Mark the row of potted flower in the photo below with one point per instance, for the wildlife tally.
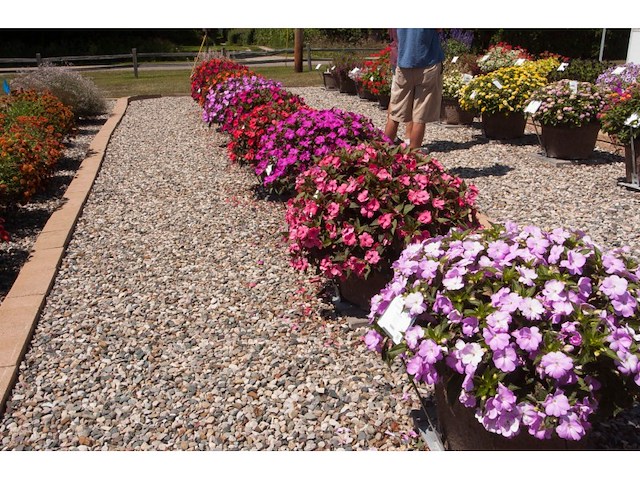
(535, 332)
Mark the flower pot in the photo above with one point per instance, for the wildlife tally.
(503, 126)
(329, 81)
(383, 100)
(628, 163)
(460, 430)
(571, 143)
(452, 114)
(359, 291)
(346, 84)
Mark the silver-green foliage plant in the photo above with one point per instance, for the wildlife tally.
(74, 90)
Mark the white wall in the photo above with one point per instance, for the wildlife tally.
(633, 52)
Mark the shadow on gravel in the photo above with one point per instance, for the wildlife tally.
(10, 264)
(495, 170)
(449, 146)
(261, 193)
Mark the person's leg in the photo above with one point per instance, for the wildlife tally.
(417, 135)
(399, 105)
(407, 130)
(391, 128)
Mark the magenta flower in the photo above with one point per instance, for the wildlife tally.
(556, 364)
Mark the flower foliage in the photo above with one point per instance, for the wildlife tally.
(561, 105)
(377, 73)
(358, 206)
(209, 73)
(535, 330)
(618, 109)
(501, 55)
(505, 90)
(32, 128)
(452, 82)
(290, 146)
(252, 125)
(238, 96)
(618, 82)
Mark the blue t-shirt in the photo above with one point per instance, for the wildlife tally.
(419, 47)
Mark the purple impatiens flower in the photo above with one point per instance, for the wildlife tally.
(556, 364)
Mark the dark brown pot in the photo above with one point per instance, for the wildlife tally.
(571, 143)
(359, 291)
(453, 114)
(628, 165)
(503, 126)
(461, 430)
(346, 84)
(384, 100)
(329, 81)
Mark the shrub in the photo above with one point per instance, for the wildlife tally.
(581, 70)
(37, 104)
(74, 90)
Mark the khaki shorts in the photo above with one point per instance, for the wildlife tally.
(416, 94)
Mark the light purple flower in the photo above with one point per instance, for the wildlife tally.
(373, 341)
(531, 308)
(553, 290)
(427, 269)
(412, 335)
(496, 340)
(556, 364)
(628, 363)
(499, 321)
(415, 303)
(612, 264)
(442, 304)
(527, 276)
(453, 279)
(470, 355)
(620, 339)
(556, 405)
(430, 351)
(614, 286)
(505, 360)
(554, 254)
(624, 305)
(469, 326)
(528, 338)
(574, 262)
(570, 427)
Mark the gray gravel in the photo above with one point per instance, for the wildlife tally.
(176, 322)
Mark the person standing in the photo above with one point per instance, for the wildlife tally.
(416, 91)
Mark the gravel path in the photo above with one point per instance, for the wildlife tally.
(176, 322)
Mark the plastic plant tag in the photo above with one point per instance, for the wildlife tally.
(268, 170)
(562, 67)
(395, 320)
(455, 59)
(466, 78)
(485, 58)
(318, 66)
(573, 85)
(333, 68)
(473, 95)
(519, 62)
(497, 83)
(633, 120)
(533, 106)
(316, 195)
(618, 70)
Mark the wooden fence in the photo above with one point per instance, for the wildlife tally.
(133, 58)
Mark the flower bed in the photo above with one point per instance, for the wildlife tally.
(210, 73)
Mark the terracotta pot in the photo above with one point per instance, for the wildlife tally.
(571, 143)
(503, 126)
(460, 430)
(346, 84)
(359, 291)
(384, 100)
(452, 114)
(628, 165)
(329, 81)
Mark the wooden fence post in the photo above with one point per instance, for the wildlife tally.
(309, 57)
(134, 55)
(38, 59)
(297, 49)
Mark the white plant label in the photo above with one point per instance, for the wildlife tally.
(395, 320)
(618, 70)
(466, 78)
(533, 106)
(473, 95)
(455, 59)
(485, 58)
(316, 195)
(333, 68)
(633, 120)
(354, 71)
(497, 83)
(318, 66)
(562, 67)
(372, 78)
(519, 62)
(268, 170)
(573, 85)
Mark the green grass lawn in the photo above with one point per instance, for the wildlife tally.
(122, 83)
